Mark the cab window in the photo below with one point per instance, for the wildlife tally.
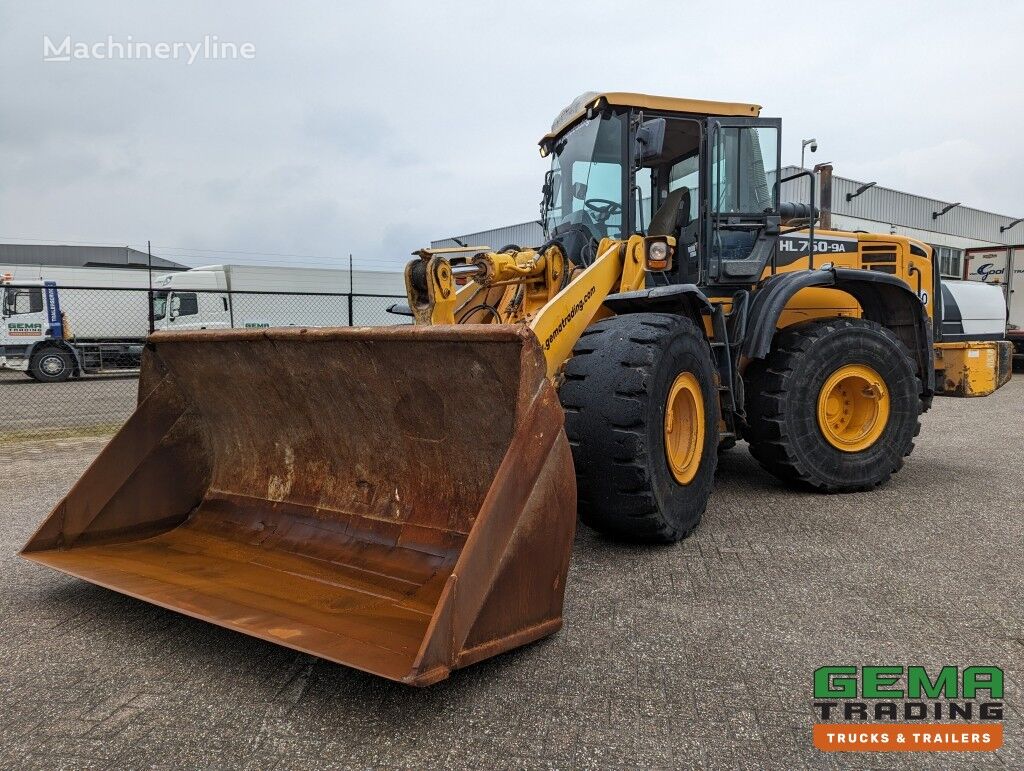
(643, 200)
(685, 174)
(743, 167)
(19, 301)
(185, 304)
(597, 189)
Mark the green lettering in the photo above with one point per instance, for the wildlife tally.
(830, 682)
(877, 678)
(983, 679)
(944, 685)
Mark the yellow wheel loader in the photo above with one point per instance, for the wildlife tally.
(403, 500)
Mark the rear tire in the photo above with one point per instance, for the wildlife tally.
(51, 365)
(615, 394)
(787, 392)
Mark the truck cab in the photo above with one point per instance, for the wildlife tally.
(195, 299)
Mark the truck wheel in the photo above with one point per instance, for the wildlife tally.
(51, 365)
(836, 405)
(641, 414)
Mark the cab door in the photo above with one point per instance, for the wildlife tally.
(742, 197)
(24, 316)
(198, 310)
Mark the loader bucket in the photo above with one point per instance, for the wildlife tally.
(400, 500)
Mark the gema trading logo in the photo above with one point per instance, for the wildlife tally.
(896, 708)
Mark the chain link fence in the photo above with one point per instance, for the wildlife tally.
(69, 357)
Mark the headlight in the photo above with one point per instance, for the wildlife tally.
(659, 255)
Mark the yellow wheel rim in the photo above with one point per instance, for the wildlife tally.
(684, 427)
(853, 408)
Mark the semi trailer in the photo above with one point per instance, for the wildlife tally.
(254, 297)
(1003, 267)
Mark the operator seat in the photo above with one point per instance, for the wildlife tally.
(673, 214)
(673, 219)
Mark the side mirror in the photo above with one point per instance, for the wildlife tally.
(650, 139)
(579, 191)
(175, 307)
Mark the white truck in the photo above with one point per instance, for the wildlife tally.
(1003, 266)
(53, 332)
(40, 333)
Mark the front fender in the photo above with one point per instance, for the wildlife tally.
(69, 349)
(685, 299)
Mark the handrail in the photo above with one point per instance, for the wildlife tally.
(810, 225)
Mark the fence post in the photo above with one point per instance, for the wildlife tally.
(149, 294)
(351, 289)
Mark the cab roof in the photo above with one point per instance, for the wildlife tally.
(578, 107)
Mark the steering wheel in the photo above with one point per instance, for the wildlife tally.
(603, 208)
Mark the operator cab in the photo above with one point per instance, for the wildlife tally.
(704, 172)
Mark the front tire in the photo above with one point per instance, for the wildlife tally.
(835, 406)
(51, 365)
(642, 414)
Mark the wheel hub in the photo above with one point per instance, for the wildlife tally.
(684, 427)
(853, 408)
(52, 365)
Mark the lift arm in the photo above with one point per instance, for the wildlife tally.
(545, 292)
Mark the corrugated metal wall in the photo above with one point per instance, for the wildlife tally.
(883, 204)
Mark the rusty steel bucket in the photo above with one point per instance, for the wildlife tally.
(400, 500)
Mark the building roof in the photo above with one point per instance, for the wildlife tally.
(73, 256)
(578, 107)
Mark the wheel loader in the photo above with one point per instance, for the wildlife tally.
(403, 500)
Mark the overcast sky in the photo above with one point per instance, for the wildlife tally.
(374, 127)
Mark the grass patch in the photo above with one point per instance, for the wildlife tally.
(64, 432)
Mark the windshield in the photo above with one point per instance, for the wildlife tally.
(160, 304)
(584, 185)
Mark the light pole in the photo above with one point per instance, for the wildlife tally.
(803, 146)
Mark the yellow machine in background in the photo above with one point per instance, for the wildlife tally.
(403, 500)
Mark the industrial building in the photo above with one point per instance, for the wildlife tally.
(855, 205)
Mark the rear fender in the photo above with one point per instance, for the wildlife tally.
(883, 298)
